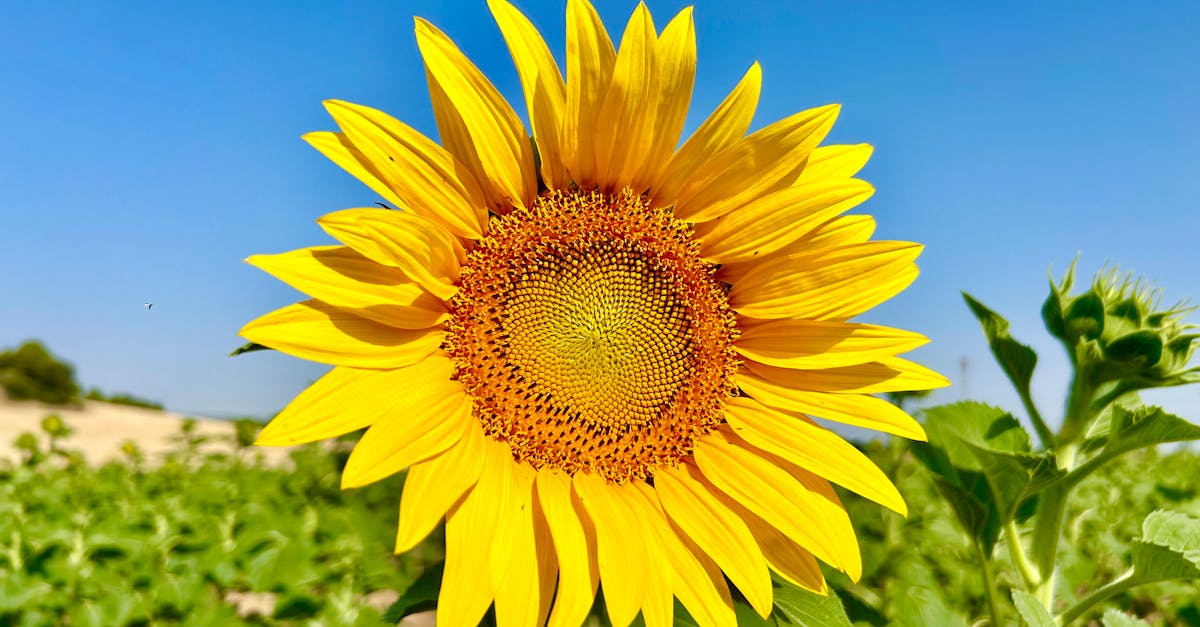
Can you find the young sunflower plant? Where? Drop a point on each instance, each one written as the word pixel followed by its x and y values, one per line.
pixel 596 353
pixel 1008 491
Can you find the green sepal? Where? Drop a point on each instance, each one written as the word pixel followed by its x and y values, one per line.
pixel 1138 350
pixel 1032 612
pixel 249 347
pixel 1084 317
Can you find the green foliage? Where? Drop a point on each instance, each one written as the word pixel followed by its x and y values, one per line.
pixel 1119 342
pixel 924 570
pixel 31 373
pixel 122 398
pixel 124 545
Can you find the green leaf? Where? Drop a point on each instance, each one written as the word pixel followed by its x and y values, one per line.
pixel 1014 477
pixel 1016 359
pixel 794 606
pixel 1113 618
pixel 249 347
pixel 747 617
pixel 953 430
pixel 1032 612
pixel 683 618
pixel 422 595
pixel 919 607
pixel 1168 549
pixel 1138 427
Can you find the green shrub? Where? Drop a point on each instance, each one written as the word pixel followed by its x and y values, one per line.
pixel 31 373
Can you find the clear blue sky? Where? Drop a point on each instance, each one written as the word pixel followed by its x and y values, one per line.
pixel 149 147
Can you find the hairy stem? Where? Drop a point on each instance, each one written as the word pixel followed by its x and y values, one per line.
pixel 1016 552
pixel 989 584
pixel 1122 583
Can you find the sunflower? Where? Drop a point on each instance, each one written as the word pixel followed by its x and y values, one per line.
pixel 596 352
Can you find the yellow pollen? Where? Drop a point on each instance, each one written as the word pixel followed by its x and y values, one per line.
pixel 591 336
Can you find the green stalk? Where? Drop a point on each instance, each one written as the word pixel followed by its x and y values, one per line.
pixel 1120 584
pixel 1047 527
pixel 1016 552
pixel 1048 522
pixel 989 584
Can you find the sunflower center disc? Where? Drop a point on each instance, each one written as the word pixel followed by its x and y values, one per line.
pixel 591 336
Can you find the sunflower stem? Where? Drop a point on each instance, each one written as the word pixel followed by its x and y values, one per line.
pixel 1120 584
pixel 1016 552
pixel 989 584
pixel 1048 522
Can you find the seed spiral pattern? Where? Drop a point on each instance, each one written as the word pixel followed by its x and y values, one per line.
pixel 591 336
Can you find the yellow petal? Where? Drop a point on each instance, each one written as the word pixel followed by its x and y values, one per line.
pixel 319 332
pixel 423 422
pixel 859 410
pixel 695 579
pixel 346 227
pixel 545 93
pixel 426 179
pixel 825 284
pixel 624 584
pixel 590 59
pixel 754 166
pixel 835 162
pixel 345 279
pixel 889 374
pixel 795 564
pixel 575 546
pixel 658 602
pixel 433 486
pixel 676 55
pixel 726 125
pixel 421 249
pixel 626 121
pixel 452 131
pixel 465 595
pixel 339 150
pixel 497 136
pixel 814 344
pixel 479 540
pixel 547 561
pixel 812 447
pixel 518 589
pixel 799 504
pixel 340 402
pixel 771 222
pixel 842 230
pixel 716 530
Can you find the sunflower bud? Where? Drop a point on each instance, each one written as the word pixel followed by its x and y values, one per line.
pixel 1118 331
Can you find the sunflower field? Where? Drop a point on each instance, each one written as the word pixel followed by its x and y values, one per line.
pixel 197 538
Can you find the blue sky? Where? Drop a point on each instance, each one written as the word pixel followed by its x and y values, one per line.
pixel 150 147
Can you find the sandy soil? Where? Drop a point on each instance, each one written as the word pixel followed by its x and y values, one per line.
pixel 101 428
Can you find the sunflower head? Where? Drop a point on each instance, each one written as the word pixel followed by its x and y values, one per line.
pixel 1118 330
pixel 598 354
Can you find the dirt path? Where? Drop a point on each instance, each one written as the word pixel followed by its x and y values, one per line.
pixel 101 428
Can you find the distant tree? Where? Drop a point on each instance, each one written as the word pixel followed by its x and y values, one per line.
pixel 31 373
